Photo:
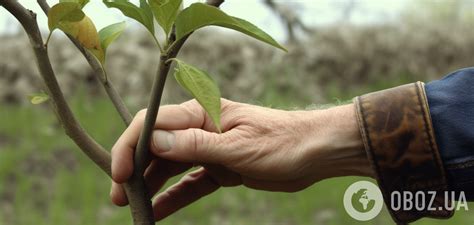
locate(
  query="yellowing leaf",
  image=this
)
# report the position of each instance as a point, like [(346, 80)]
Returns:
[(64, 12), (86, 34), (202, 87), (68, 16)]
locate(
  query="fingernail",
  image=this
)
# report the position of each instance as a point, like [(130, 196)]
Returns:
[(163, 140)]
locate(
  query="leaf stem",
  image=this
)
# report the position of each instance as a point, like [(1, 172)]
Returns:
[(49, 37), (157, 43)]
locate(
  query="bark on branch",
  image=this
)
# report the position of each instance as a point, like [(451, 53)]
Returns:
[(141, 156), (135, 188), (70, 124), (142, 151), (99, 74), (290, 18)]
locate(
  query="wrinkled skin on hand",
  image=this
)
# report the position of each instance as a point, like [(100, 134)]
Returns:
[(260, 148)]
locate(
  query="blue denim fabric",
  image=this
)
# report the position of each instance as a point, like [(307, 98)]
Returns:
[(451, 102)]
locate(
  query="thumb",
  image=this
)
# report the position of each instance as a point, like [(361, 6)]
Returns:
[(191, 145)]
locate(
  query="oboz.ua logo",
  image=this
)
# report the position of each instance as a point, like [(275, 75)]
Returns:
[(363, 200)]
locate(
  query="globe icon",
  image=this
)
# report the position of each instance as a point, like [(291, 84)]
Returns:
[(361, 201)]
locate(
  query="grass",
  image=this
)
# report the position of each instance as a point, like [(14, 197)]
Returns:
[(45, 180)]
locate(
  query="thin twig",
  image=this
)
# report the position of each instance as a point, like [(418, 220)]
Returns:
[(135, 188), (92, 149), (142, 152), (141, 155), (290, 18), (71, 126), (99, 74)]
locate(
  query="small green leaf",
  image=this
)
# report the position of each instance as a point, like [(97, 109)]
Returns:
[(64, 12), (108, 34), (141, 14), (202, 87), (165, 12), (38, 98), (200, 15), (82, 3)]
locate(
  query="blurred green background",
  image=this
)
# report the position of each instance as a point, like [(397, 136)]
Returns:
[(45, 179)]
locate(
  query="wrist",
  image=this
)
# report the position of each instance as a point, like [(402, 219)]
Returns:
[(336, 146)]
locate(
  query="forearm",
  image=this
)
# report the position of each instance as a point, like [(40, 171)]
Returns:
[(335, 143)]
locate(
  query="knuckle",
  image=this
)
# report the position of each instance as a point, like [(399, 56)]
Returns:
[(191, 104), (195, 110), (201, 144), (197, 142), (190, 117)]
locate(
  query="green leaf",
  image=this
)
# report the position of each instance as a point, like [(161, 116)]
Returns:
[(147, 11), (165, 12), (141, 14), (82, 3), (202, 87), (200, 15), (64, 12), (108, 34), (38, 98)]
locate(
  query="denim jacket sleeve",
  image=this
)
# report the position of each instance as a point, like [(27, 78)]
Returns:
[(451, 102), (420, 139)]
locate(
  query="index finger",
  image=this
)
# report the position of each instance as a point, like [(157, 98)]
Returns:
[(170, 117)]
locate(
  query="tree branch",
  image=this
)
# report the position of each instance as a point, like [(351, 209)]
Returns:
[(141, 155), (99, 74), (135, 188), (290, 18), (142, 152), (71, 126)]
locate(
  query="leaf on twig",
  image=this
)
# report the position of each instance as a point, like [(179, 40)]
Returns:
[(202, 87), (86, 34), (82, 3), (64, 12), (199, 15), (141, 14), (108, 34), (69, 17), (165, 12)]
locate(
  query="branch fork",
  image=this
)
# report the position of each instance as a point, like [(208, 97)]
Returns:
[(135, 188)]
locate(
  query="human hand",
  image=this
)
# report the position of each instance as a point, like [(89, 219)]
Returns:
[(261, 148)]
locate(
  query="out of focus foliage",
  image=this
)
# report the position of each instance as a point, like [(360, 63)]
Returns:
[(429, 40), (42, 174)]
